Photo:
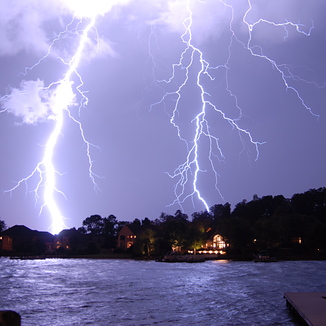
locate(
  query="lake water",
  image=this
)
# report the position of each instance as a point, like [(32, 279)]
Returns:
[(128, 292)]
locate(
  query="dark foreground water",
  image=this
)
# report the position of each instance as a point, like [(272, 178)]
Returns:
[(127, 292)]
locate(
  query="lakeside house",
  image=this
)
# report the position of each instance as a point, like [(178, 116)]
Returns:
[(68, 239), (127, 236), (215, 243), (20, 238)]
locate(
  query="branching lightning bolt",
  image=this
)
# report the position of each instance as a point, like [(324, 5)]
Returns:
[(63, 99), (196, 72), (189, 172), (281, 68)]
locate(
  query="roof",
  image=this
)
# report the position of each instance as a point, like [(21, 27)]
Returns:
[(135, 229), (211, 233), (22, 230), (45, 235), (18, 230), (68, 233)]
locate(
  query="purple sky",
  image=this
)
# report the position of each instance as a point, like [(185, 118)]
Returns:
[(128, 120)]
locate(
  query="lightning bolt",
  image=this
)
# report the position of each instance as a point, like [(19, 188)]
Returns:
[(63, 99), (203, 149), (204, 141)]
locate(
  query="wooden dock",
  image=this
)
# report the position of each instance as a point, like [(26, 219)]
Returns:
[(309, 306)]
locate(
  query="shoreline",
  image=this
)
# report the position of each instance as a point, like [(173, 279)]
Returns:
[(124, 256)]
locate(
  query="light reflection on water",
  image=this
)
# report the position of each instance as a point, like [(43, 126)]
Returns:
[(127, 292)]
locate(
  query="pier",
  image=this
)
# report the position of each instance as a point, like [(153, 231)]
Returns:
[(308, 306)]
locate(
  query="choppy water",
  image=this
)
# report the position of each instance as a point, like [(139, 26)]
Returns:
[(127, 292)]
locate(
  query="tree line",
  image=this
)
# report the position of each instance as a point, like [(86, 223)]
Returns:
[(270, 222), (297, 224)]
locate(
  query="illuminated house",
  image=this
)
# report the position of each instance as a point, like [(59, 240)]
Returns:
[(127, 236), (215, 244), (20, 238)]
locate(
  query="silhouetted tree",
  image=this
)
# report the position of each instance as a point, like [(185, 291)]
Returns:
[(195, 236), (136, 222), (161, 246), (144, 244), (2, 225), (94, 225), (220, 211), (179, 216), (175, 228), (202, 221), (240, 233), (312, 202), (146, 222), (316, 240), (267, 233), (110, 226), (164, 217)]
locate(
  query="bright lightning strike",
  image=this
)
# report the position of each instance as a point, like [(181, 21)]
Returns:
[(64, 98), (61, 99), (203, 144)]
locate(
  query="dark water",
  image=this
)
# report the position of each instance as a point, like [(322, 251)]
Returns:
[(127, 292)]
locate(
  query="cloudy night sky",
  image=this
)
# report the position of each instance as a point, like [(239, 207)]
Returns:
[(160, 84)]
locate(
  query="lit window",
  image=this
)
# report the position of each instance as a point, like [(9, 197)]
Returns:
[(297, 240), (218, 242)]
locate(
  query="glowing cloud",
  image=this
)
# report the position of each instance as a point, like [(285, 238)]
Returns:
[(92, 8), (32, 102)]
